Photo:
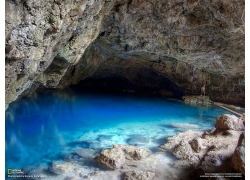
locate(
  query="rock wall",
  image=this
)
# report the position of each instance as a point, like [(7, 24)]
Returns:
[(47, 33), (183, 42)]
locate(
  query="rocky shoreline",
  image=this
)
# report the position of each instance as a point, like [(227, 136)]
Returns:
[(211, 152), (221, 150)]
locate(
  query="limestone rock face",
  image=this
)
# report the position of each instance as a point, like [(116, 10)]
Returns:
[(170, 46), (173, 46), (238, 159), (229, 122), (47, 33)]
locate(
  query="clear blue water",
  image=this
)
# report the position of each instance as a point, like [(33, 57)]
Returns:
[(42, 127)]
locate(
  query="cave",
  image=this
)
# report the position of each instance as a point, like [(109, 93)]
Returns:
[(162, 53)]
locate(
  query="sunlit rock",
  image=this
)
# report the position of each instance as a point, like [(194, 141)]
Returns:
[(111, 158), (229, 122), (120, 155)]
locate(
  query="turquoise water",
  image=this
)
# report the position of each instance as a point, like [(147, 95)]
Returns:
[(49, 124)]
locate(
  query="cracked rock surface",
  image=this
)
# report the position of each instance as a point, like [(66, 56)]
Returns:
[(47, 33), (170, 46)]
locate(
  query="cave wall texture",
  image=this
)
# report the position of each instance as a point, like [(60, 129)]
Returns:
[(169, 45)]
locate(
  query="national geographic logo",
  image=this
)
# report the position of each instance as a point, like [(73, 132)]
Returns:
[(18, 173), (15, 171)]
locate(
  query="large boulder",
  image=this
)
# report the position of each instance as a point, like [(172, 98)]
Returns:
[(121, 155), (111, 158), (229, 122), (238, 159)]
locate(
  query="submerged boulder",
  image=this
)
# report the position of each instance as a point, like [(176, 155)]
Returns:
[(229, 122), (34, 171), (60, 168), (184, 126), (138, 140), (85, 153)]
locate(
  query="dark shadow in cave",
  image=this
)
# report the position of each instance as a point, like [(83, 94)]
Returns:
[(145, 82)]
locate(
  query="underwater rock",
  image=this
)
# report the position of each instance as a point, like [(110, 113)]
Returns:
[(138, 140), (33, 171), (227, 122), (86, 153), (79, 144), (71, 157), (60, 168), (139, 175), (94, 145), (238, 159), (104, 138), (184, 126)]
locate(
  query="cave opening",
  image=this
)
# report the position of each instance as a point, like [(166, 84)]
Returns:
[(146, 82)]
